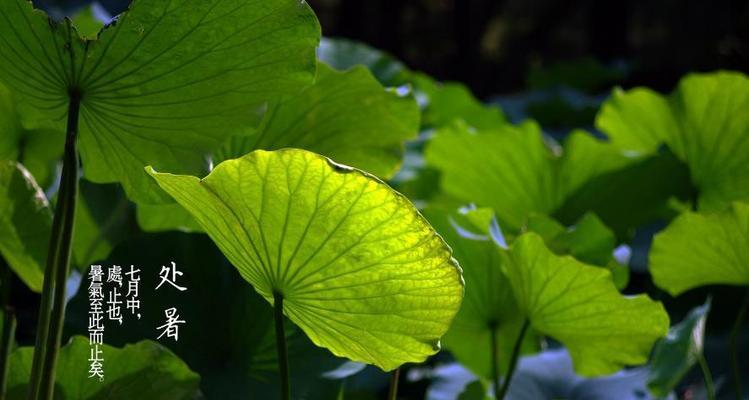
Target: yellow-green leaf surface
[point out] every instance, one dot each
(144, 370)
(704, 122)
(347, 116)
(578, 305)
(25, 223)
(164, 84)
(361, 271)
(701, 249)
(489, 304)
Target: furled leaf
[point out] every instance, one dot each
(25, 223)
(489, 305)
(579, 306)
(239, 360)
(144, 370)
(347, 116)
(675, 355)
(704, 123)
(361, 272)
(701, 249)
(162, 85)
(512, 170)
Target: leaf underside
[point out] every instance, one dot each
(361, 271)
(163, 85)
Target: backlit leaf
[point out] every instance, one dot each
(704, 122)
(701, 249)
(361, 271)
(578, 305)
(164, 84)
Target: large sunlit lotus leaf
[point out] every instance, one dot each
(347, 116)
(699, 249)
(676, 354)
(240, 360)
(488, 305)
(514, 171)
(361, 271)
(578, 305)
(704, 122)
(144, 370)
(164, 84)
(25, 224)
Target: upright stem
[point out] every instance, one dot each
(9, 332)
(9, 328)
(52, 306)
(495, 361)
(706, 376)
(513, 361)
(734, 343)
(394, 378)
(283, 356)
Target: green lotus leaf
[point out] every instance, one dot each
(512, 170)
(10, 128)
(347, 116)
(676, 354)
(25, 224)
(361, 272)
(164, 84)
(165, 217)
(144, 370)
(699, 249)
(343, 54)
(704, 122)
(450, 101)
(489, 310)
(578, 305)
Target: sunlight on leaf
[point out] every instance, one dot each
(704, 122)
(162, 85)
(361, 272)
(578, 305)
(701, 249)
(347, 116)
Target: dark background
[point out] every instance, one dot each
(491, 45)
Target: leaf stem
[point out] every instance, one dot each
(52, 306)
(283, 356)
(513, 360)
(495, 361)
(734, 344)
(9, 328)
(707, 376)
(394, 379)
